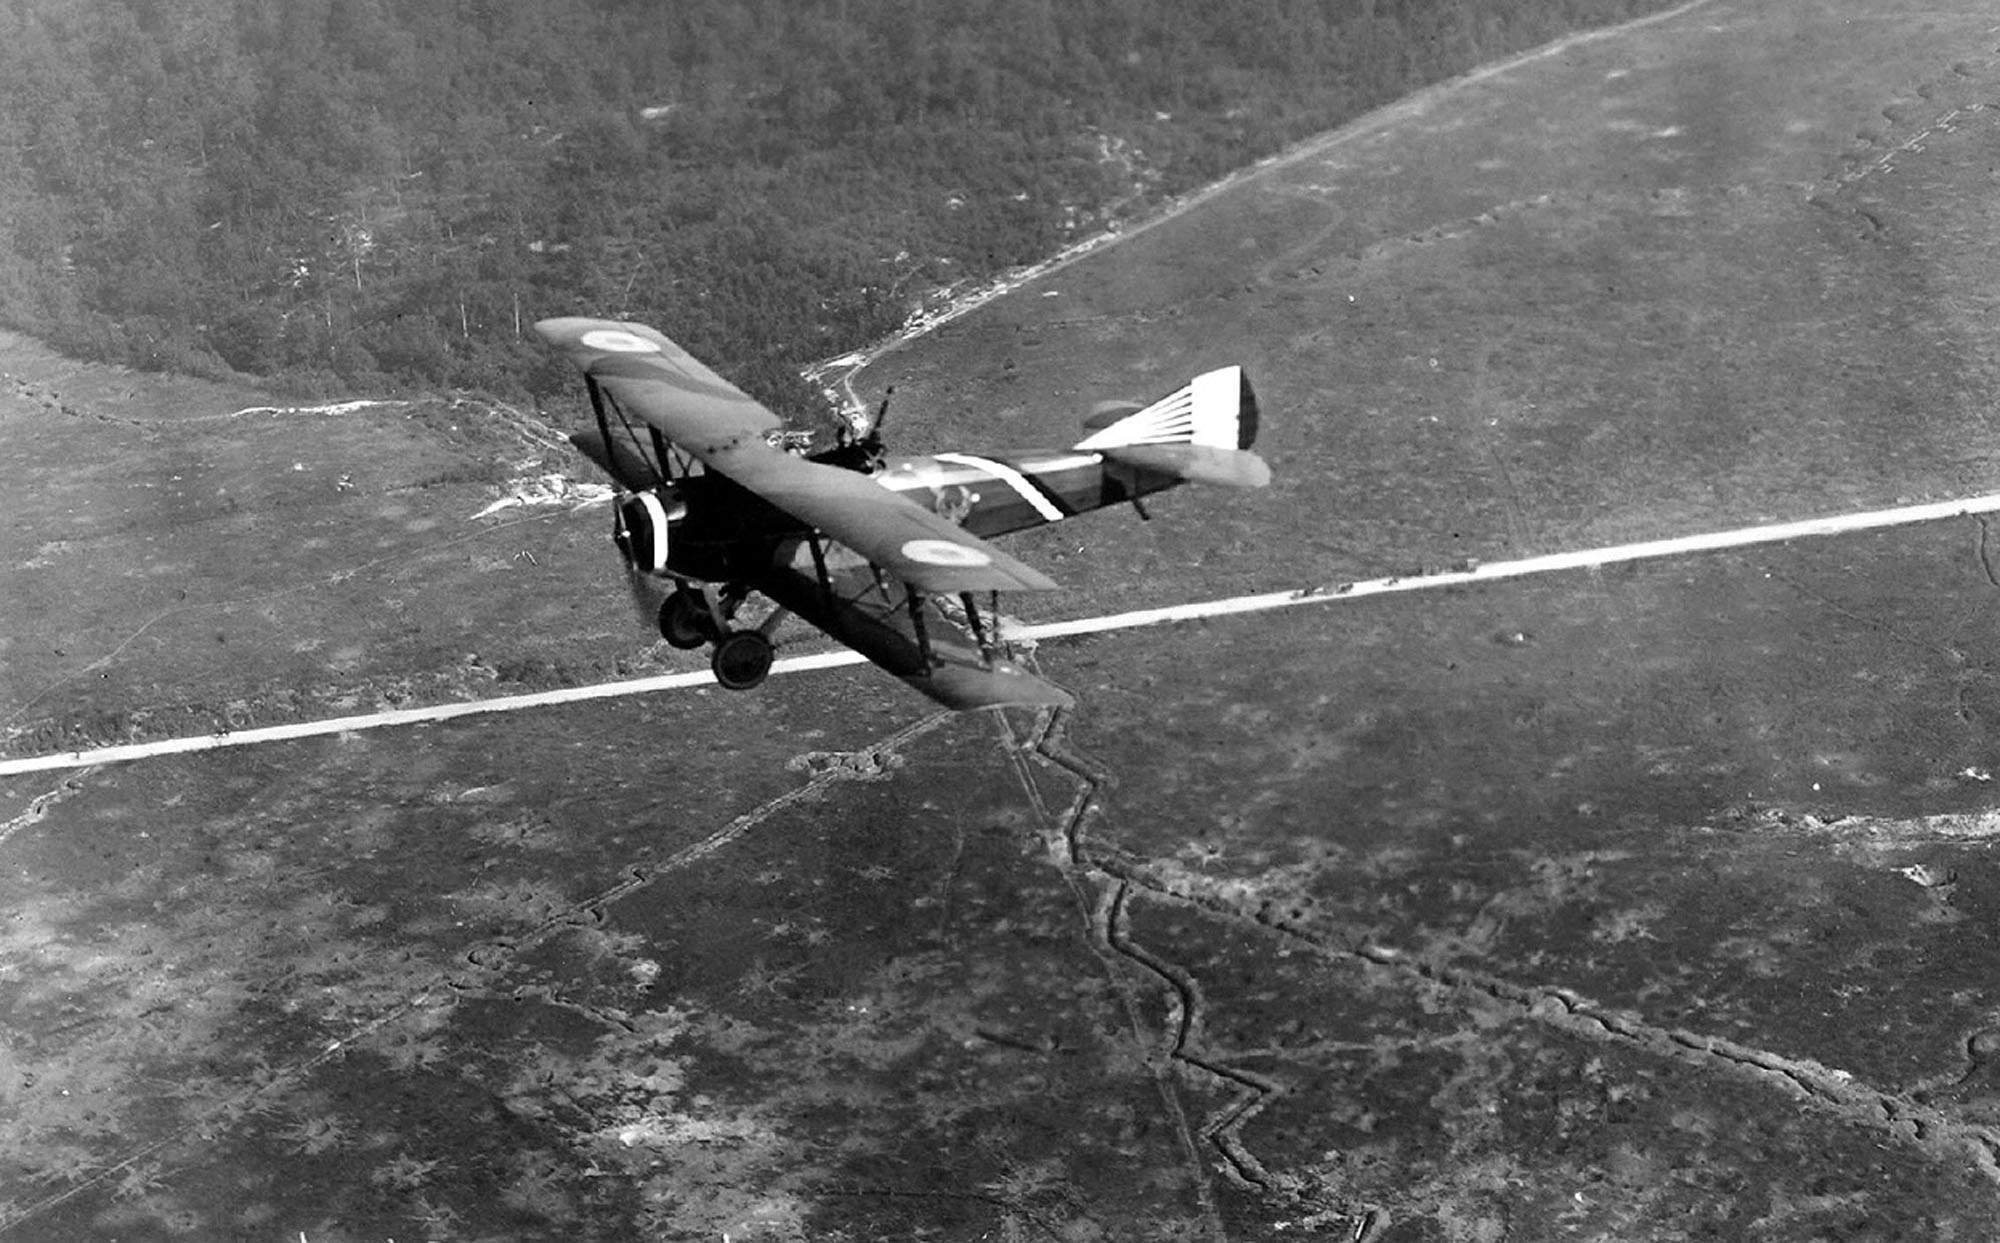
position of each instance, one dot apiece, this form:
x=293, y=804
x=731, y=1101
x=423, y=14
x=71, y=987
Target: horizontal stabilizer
x=1238, y=468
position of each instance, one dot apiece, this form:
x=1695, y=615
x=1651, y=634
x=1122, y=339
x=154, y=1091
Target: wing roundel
x=662, y=383
x=894, y=532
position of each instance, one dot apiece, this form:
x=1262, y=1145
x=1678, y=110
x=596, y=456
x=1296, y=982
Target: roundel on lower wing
x=618, y=341
x=944, y=552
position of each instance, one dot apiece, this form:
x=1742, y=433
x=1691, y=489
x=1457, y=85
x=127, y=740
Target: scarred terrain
x=1653, y=901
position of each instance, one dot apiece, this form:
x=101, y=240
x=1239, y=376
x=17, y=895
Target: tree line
x=343, y=195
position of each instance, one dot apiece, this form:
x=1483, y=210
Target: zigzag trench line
x=1109, y=919
x=1935, y=1132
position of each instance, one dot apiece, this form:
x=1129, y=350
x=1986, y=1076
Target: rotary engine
x=642, y=527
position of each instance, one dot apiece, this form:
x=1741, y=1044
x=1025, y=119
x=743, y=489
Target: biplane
x=889, y=556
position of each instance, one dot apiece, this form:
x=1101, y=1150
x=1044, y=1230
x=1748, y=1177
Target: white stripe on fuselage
x=1013, y=479
x=954, y=470
x=909, y=476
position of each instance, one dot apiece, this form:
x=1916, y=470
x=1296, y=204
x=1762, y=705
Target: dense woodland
x=373, y=194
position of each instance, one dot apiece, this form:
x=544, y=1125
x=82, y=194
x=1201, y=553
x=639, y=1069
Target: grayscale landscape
x=1651, y=901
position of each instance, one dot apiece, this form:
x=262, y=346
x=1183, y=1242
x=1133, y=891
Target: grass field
x=1650, y=902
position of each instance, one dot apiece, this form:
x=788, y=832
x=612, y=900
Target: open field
x=1653, y=901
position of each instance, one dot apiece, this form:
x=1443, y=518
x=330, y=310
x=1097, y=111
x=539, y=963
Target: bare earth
x=1651, y=903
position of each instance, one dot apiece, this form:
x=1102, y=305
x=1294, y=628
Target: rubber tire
x=742, y=660
x=684, y=621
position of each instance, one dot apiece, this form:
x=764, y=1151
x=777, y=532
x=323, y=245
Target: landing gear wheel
x=684, y=621
x=742, y=660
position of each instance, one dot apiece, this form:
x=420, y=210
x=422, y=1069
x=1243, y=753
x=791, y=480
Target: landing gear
x=742, y=659
x=698, y=613
x=685, y=621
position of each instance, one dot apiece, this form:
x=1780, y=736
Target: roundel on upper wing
x=618, y=341
x=944, y=552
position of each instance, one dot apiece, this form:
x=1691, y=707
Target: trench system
x=1119, y=882
x=1107, y=886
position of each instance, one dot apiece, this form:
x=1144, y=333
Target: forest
x=381, y=195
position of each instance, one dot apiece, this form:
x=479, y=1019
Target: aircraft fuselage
x=720, y=532
x=994, y=493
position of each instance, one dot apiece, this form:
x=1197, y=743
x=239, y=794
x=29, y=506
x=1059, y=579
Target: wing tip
x=592, y=337
x=563, y=329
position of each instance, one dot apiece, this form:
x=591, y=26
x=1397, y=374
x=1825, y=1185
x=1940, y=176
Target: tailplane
x=1202, y=430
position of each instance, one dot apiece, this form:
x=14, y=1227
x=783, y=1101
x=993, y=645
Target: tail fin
x=1202, y=430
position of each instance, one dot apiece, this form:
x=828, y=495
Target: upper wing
x=894, y=532
x=724, y=427
x=662, y=383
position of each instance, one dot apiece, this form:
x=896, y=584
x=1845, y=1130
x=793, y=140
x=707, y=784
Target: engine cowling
x=642, y=527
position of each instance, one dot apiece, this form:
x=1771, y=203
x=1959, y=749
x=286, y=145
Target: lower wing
x=879, y=618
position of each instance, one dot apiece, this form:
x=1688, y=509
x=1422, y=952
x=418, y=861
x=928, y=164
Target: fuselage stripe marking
x=1013, y=479
x=1038, y=479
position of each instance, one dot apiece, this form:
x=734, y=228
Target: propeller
x=646, y=595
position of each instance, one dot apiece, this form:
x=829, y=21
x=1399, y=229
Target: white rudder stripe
x=1204, y=411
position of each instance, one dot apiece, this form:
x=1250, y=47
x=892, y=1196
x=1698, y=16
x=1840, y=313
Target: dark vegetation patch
x=367, y=195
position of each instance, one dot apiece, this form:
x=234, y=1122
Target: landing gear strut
x=694, y=615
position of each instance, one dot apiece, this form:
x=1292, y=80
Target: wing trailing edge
x=1235, y=468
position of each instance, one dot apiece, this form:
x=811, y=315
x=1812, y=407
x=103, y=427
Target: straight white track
x=1650, y=550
